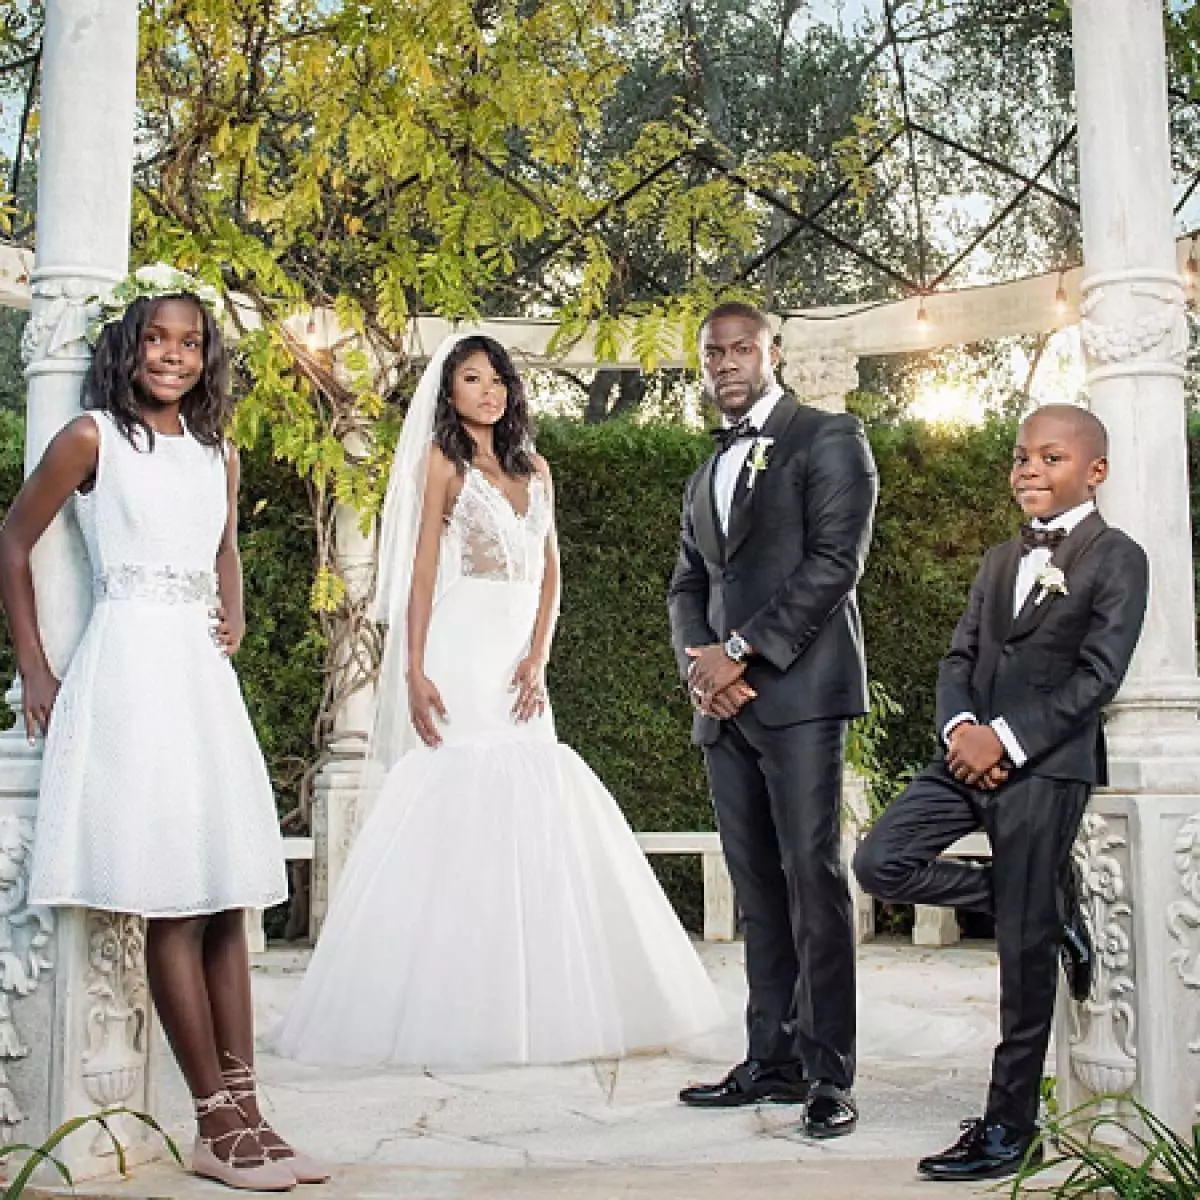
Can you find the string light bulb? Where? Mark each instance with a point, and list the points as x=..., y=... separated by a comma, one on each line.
x=1192, y=267
x=922, y=315
x=1060, y=295
x=310, y=332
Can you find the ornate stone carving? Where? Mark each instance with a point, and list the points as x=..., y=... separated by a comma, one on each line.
x=1104, y=1028
x=58, y=324
x=1161, y=333
x=118, y=1012
x=1183, y=916
x=820, y=376
x=25, y=933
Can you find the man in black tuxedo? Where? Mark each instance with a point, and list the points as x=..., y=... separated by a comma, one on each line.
x=765, y=625
x=1050, y=627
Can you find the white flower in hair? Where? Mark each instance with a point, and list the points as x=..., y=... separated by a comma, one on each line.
x=151, y=282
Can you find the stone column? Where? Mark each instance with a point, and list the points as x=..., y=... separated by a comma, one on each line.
x=74, y=1013
x=1140, y=845
x=336, y=790
x=818, y=375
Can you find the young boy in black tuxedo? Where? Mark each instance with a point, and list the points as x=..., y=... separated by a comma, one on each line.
x=1050, y=627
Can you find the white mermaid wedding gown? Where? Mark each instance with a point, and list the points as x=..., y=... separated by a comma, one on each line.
x=496, y=908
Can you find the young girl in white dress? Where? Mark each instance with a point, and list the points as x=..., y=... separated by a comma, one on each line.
x=155, y=798
x=496, y=908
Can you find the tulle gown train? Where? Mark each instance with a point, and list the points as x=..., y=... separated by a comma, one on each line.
x=496, y=908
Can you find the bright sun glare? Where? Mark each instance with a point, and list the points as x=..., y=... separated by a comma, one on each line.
x=943, y=402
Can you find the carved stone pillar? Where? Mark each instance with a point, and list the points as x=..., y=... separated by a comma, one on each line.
x=1138, y=849
x=821, y=376
x=74, y=1015
x=336, y=790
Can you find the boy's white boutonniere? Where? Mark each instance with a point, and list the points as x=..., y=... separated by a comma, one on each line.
x=1052, y=582
x=758, y=459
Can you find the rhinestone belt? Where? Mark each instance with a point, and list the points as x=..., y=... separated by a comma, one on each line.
x=166, y=585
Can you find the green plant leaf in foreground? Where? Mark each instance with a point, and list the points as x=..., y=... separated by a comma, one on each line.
x=44, y=1152
x=1153, y=1163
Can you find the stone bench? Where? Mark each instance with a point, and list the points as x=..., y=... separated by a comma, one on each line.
x=720, y=911
x=295, y=849
x=939, y=926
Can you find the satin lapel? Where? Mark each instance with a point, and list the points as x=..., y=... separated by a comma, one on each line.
x=705, y=525
x=745, y=498
x=1078, y=540
x=996, y=620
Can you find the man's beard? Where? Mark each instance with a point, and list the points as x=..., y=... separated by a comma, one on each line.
x=753, y=396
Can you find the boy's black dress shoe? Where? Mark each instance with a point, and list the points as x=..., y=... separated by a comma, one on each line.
x=831, y=1111
x=983, y=1152
x=751, y=1082
x=1077, y=953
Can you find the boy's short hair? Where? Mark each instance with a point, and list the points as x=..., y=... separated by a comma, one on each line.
x=1084, y=423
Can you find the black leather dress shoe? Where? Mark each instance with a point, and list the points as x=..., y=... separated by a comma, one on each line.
x=983, y=1152
x=751, y=1082
x=1077, y=954
x=831, y=1111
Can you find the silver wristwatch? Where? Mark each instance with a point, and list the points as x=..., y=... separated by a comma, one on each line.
x=736, y=647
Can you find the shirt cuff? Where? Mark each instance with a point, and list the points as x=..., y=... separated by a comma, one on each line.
x=951, y=725
x=1008, y=740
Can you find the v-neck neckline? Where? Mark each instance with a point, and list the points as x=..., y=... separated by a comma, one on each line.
x=516, y=512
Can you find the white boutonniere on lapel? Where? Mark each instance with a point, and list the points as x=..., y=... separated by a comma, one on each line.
x=1051, y=582
x=757, y=460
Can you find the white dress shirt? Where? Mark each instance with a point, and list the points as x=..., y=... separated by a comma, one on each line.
x=731, y=462
x=1027, y=573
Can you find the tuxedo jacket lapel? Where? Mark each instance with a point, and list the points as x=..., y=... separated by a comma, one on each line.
x=741, y=509
x=705, y=525
x=997, y=616
x=1075, y=544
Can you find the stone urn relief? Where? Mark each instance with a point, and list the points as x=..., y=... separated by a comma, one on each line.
x=1103, y=1027
x=117, y=1019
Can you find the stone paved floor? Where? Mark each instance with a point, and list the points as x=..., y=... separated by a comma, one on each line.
x=607, y=1129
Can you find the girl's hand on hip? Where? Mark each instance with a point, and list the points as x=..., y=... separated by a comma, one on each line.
x=227, y=631
x=39, y=690
x=529, y=683
x=424, y=701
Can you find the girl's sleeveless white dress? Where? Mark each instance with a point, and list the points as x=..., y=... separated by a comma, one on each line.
x=154, y=796
x=496, y=908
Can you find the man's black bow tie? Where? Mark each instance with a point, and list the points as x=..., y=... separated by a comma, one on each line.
x=1033, y=538
x=726, y=436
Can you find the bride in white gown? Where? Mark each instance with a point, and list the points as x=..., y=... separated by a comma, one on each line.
x=496, y=908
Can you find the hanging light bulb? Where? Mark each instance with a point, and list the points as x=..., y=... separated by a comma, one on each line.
x=1060, y=296
x=310, y=333
x=1191, y=268
x=922, y=315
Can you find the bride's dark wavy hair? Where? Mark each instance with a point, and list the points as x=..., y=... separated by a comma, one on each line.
x=513, y=433
x=110, y=384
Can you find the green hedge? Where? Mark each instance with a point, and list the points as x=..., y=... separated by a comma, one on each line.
x=944, y=498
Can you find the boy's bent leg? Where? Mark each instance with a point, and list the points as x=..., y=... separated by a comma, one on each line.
x=1032, y=824
x=898, y=859
x=751, y=847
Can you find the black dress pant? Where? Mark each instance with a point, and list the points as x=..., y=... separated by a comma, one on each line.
x=1031, y=823
x=777, y=795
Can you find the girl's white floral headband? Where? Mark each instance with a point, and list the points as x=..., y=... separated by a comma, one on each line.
x=151, y=282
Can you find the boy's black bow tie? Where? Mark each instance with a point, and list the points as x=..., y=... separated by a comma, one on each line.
x=726, y=436
x=1033, y=538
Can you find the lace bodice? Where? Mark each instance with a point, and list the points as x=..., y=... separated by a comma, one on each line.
x=486, y=538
